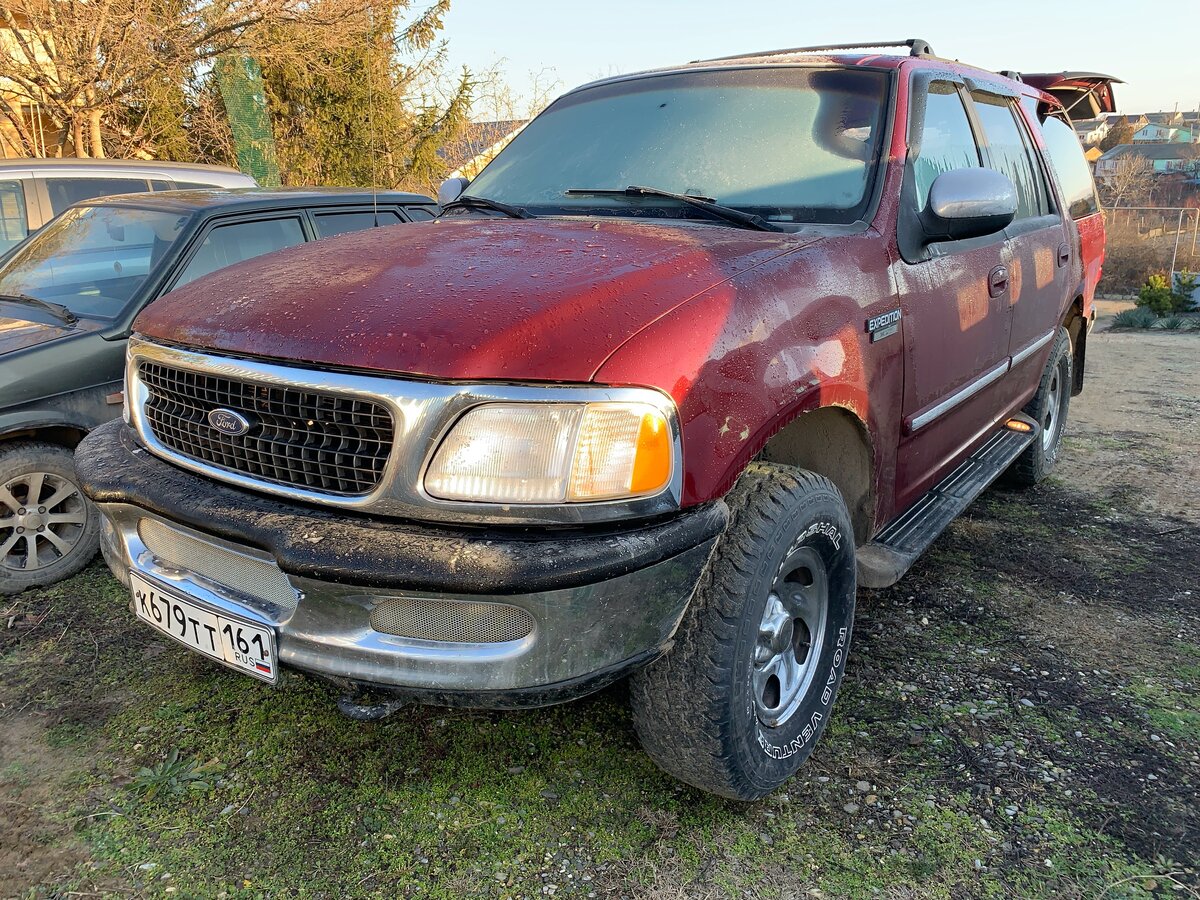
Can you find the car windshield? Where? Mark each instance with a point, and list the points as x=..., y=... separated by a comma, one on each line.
x=92, y=259
x=792, y=145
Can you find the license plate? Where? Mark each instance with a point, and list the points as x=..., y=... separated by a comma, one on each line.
x=240, y=644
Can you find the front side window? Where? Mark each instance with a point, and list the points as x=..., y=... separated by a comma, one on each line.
x=1007, y=153
x=329, y=224
x=65, y=192
x=1071, y=167
x=92, y=259
x=238, y=242
x=947, y=142
x=792, y=145
x=14, y=224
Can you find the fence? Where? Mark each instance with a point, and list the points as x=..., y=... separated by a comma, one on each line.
x=1143, y=240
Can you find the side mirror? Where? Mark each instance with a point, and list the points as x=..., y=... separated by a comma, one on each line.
x=450, y=189
x=968, y=203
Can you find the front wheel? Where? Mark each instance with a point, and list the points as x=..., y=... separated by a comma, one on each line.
x=1049, y=407
x=740, y=700
x=48, y=528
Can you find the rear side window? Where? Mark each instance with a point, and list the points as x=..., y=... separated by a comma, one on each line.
x=14, y=224
x=947, y=143
x=1008, y=154
x=420, y=213
x=329, y=224
x=240, y=241
x=66, y=192
x=1074, y=175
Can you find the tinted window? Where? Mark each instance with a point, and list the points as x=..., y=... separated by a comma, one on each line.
x=66, y=192
x=93, y=259
x=239, y=241
x=790, y=144
x=157, y=184
x=193, y=186
x=14, y=224
x=947, y=143
x=1074, y=175
x=1006, y=152
x=329, y=224
x=420, y=213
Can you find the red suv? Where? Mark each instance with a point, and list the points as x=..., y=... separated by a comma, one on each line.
x=702, y=350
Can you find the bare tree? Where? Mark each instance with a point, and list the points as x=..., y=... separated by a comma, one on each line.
x=1129, y=180
x=84, y=63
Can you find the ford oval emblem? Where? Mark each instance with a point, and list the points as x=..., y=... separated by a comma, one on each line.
x=228, y=422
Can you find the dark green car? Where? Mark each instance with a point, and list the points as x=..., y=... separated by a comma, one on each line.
x=68, y=298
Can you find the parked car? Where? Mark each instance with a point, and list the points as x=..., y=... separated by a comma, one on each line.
x=67, y=299
x=34, y=191
x=699, y=352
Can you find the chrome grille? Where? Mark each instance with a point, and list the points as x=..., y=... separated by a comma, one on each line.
x=456, y=621
x=300, y=438
x=255, y=578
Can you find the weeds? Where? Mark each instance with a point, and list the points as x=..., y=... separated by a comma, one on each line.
x=175, y=776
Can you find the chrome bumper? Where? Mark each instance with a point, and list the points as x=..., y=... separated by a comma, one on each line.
x=575, y=639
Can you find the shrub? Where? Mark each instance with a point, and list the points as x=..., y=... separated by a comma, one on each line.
x=1170, y=323
x=1156, y=296
x=1134, y=318
x=1184, y=290
x=1128, y=262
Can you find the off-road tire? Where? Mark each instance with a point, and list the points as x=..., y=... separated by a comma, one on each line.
x=695, y=710
x=26, y=458
x=1054, y=390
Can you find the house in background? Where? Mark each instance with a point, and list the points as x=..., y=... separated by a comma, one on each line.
x=1163, y=133
x=45, y=136
x=478, y=145
x=1180, y=161
x=1091, y=131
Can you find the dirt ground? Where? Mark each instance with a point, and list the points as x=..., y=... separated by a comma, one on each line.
x=1136, y=427
x=1021, y=717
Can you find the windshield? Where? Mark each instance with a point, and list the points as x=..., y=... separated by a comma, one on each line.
x=92, y=259
x=791, y=145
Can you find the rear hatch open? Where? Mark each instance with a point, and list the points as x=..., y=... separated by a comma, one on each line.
x=1085, y=95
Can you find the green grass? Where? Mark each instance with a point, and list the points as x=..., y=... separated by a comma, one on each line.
x=228, y=785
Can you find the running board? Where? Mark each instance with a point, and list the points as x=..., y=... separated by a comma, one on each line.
x=883, y=561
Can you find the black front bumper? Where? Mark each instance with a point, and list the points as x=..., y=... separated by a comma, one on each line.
x=603, y=598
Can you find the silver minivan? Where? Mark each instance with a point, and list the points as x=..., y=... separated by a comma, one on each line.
x=34, y=191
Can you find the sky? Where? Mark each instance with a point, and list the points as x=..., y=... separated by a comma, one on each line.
x=574, y=41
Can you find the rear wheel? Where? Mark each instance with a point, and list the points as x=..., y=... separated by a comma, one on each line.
x=48, y=528
x=1049, y=407
x=740, y=700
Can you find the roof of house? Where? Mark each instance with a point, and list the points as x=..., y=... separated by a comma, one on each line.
x=1154, y=151
x=1088, y=124
x=476, y=138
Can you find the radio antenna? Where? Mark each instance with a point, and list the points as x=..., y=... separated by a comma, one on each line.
x=371, y=114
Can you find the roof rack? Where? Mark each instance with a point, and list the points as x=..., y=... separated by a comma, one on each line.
x=917, y=47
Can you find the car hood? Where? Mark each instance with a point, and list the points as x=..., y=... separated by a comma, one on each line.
x=22, y=328
x=461, y=298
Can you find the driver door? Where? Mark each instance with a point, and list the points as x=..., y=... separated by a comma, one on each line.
x=954, y=299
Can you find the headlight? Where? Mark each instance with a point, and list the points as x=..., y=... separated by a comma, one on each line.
x=554, y=453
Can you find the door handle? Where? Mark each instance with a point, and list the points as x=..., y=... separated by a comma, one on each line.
x=1064, y=254
x=998, y=281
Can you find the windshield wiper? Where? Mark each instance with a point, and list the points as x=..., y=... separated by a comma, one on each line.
x=55, y=309
x=708, y=204
x=473, y=202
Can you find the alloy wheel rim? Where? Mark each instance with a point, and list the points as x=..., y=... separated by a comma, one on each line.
x=790, y=636
x=43, y=517
x=1052, y=422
